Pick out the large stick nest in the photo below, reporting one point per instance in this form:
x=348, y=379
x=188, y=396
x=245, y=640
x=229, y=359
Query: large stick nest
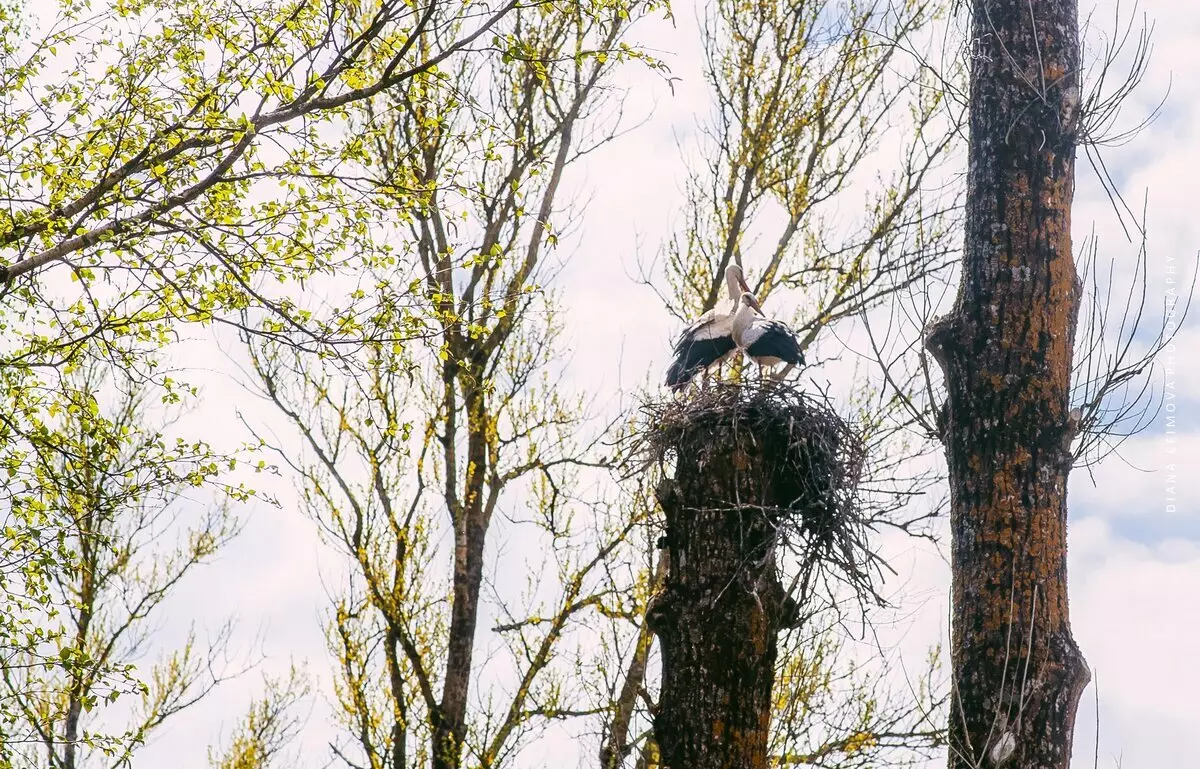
x=810, y=458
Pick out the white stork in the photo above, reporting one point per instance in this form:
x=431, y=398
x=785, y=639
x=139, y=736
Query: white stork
x=768, y=342
x=708, y=341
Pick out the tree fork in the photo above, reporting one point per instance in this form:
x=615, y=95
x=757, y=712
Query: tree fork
x=720, y=611
x=1006, y=354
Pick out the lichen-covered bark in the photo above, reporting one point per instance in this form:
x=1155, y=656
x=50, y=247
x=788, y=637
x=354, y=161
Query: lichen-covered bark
x=1006, y=352
x=720, y=611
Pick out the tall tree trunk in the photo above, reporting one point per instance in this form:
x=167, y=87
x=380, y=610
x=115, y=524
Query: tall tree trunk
x=616, y=745
x=451, y=727
x=470, y=534
x=721, y=609
x=1006, y=353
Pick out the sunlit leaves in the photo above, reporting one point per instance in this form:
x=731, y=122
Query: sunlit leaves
x=186, y=151
x=99, y=524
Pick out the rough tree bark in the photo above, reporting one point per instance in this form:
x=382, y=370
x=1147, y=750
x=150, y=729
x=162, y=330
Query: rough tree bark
x=721, y=609
x=1006, y=353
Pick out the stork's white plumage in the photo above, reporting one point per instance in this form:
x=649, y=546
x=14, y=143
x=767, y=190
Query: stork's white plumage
x=768, y=342
x=709, y=340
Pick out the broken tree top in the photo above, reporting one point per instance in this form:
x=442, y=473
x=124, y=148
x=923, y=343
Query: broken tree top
x=772, y=448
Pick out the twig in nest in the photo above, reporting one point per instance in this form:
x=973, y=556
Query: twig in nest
x=811, y=458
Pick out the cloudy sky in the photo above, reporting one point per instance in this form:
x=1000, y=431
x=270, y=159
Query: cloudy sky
x=1135, y=524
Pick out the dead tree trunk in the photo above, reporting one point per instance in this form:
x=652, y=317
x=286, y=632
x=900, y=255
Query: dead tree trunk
x=1006, y=353
x=721, y=609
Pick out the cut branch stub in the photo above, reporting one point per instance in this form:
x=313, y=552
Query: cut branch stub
x=750, y=473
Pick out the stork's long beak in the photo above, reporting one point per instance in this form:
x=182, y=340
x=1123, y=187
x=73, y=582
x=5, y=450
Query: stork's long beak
x=754, y=302
x=753, y=299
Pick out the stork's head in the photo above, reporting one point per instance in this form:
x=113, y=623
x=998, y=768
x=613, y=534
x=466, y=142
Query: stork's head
x=747, y=300
x=735, y=280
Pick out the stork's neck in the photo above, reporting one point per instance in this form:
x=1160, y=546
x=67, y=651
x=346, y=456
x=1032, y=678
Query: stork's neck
x=732, y=284
x=741, y=322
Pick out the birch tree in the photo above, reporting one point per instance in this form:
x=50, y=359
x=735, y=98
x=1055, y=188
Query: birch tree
x=102, y=502
x=410, y=462
x=168, y=163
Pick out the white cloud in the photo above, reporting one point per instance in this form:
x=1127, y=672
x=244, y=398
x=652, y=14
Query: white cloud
x=1148, y=473
x=1133, y=615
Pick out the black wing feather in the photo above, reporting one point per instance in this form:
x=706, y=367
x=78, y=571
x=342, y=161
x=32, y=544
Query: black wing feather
x=688, y=335
x=694, y=355
x=777, y=341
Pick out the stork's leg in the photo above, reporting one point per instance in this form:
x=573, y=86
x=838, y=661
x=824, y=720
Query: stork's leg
x=721, y=364
x=727, y=362
x=782, y=375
